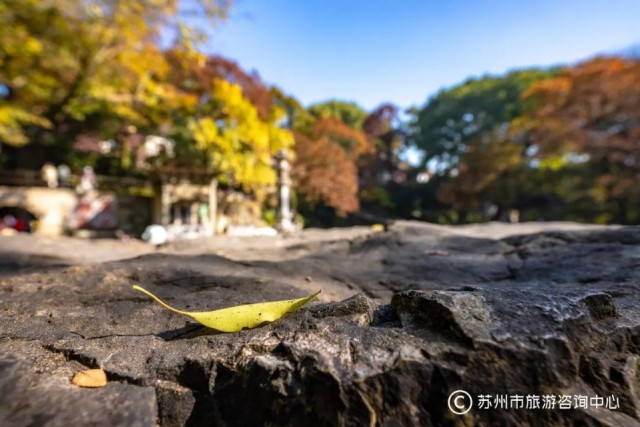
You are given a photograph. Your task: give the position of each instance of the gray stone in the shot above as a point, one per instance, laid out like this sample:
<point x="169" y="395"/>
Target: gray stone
<point x="406" y="317"/>
<point x="35" y="398"/>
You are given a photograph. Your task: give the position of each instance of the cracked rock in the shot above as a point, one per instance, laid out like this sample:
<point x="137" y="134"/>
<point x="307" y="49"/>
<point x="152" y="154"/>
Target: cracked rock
<point x="395" y="331"/>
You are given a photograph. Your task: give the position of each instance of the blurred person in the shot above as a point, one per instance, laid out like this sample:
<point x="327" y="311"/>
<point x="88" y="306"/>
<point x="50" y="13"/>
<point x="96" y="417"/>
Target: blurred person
<point x="50" y="175"/>
<point x="64" y="173"/>
<point x="10" y="221"/>
<point x="6" y="225"/>
<point x="28" y="218"/>
<point x="87" y="180"/>
<point x="21" y="224"/>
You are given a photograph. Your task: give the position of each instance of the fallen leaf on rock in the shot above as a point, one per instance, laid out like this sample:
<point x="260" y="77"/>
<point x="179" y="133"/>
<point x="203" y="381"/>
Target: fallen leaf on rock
<point x="90" y="378"/>
<point x="234" y="319"/>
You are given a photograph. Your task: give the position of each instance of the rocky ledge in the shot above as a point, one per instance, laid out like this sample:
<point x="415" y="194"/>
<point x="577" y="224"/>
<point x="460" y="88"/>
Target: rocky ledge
<point x="422" y="312"/>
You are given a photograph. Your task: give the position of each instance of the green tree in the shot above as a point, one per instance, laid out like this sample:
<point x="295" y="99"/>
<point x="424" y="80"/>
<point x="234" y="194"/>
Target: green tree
<point x="454" y="117"/>
<point x="349" y="113"/>
<point x="464" y="132"/>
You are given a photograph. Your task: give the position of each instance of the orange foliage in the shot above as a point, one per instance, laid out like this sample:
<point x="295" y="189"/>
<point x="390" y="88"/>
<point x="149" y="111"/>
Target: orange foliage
<point x="486" y="159"/>
<point x="352" y="141"/>
<point x="326" y="169"/>
<point x="593" y="109"/>
<point x="326" y="164"/>
<point x="194" y="76"/>
<point x="324" y="172"/>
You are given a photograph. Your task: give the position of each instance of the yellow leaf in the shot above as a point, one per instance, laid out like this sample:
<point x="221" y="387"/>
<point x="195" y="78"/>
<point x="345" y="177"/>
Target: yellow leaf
<point x="234" y="319"/>
<point x="90" y="378"/>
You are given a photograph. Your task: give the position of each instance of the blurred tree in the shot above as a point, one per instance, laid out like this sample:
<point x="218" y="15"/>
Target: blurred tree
<point x="352" y="141"/>
<point x="487" y="158"/>
<point x="456" y="116"/>
<point x="193" y="72"/>
<point x="325" y="170"/>
<point x="325" y="173"/>
<point x="463" y="132"/>
<point x="65" y="62"/>
<point x="253" y="88"/>
<point x="589" y="118"/>
<point x="380" y="166"/>
<point x="297" y="117"/>
<point x="235" y="120"/>
<point x="327" y="152"/>
<point x="349" y="113"/>
<point x="239" y="144"/>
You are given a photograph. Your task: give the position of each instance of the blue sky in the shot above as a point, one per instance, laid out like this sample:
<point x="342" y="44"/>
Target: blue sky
<point x="403" y="51"/>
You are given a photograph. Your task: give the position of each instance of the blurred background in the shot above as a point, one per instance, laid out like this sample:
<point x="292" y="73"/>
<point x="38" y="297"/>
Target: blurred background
<point x="247" y="117"/>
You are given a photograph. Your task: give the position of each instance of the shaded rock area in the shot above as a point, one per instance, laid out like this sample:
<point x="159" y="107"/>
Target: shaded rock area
<point x="406" y="317"/>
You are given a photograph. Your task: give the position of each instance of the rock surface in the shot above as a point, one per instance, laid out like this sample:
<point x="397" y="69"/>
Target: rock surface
<point x="406" y="317"/>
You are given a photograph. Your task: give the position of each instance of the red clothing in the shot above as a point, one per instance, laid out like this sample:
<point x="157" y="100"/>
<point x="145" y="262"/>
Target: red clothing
<point x="21" y="225"/>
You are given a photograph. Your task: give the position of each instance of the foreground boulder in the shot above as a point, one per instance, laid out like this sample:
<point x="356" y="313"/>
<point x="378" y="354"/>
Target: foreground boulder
<point x="510" y="322"/>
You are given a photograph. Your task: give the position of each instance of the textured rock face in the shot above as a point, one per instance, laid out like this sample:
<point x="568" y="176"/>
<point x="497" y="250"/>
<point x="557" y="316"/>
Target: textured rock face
<point x="424" y="311"/>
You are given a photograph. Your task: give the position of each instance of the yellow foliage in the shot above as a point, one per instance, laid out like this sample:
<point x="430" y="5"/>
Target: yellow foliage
<point x="240" y="145"/>
<point x="553" y="163"/>
<point x="63" y="59"/>
<point x="11" y="120"/>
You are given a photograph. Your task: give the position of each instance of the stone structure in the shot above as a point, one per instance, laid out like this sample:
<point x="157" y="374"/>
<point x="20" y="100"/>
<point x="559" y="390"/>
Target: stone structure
<point x="285" y="215"/>
<point x="186" y="201"/>
<point x="406" y="318"/>
<point x="51" y="207"/>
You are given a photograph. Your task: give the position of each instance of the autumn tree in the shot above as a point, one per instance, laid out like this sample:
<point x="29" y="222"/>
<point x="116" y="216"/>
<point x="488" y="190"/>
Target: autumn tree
<point x="380" y="167"/>
<point x="453" y="117"/>
<point x="326" y="166"/>
<point x="296" y="116"/>
<point x="588" y="118"/>
<point x="486" y="160"/>
<point x="253" y="88"/>
<point x="63" y="63"/>
<point x="327" y="152"/>
<point x="382" y="129"/>
<point x="463" y="132"/>
<point x="234" y="120"/>
<point x="239" y="144"/>
<point x="361" y="150"/>
<point x="324" y="173"/>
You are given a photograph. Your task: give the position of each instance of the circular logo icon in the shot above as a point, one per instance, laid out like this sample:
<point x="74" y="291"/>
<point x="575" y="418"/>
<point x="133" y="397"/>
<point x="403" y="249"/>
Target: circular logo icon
<point x="460" y="402"/>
